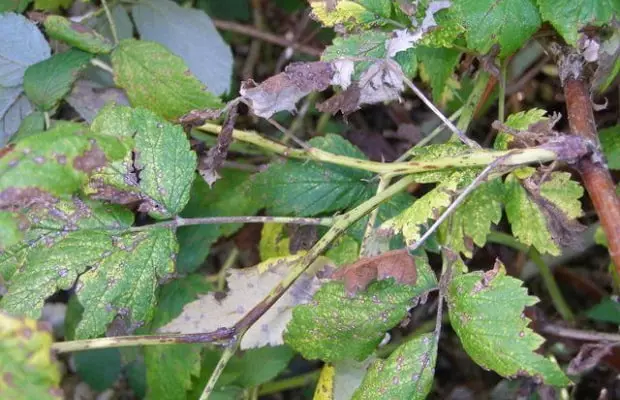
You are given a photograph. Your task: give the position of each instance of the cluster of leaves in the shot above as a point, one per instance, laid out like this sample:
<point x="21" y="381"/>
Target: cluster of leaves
<point x="70" y="193"/>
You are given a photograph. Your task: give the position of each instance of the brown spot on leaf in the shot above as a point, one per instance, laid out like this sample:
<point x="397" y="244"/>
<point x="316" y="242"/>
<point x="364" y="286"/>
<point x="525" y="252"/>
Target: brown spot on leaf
<point x="346" y="101"/>
<point x="211" y="163"/>
<point x="487" y="278"/>
<point x="397" y="264"/>
<point x="112" y="194"/>
<point x="13" y="199"/>
<point x="91" y="160"/>
<point x="7" y="149"/>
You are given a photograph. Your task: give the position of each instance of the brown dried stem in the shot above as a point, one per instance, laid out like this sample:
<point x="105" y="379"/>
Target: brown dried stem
<point x="596" y="177"/>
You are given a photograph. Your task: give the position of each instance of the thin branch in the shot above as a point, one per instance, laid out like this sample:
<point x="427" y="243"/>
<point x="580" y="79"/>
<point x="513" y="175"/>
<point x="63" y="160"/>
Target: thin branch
<point x="438" y="112"/>
<point x="502" y="91"/>
<point x="589" y="336"/>
<point x="228" y="353"/>
<point x="178" y="221"/>
<point x="100" y="64"/>
<point x="596" y="176"/>
<point x="266" y="36"/>
<point x="108" y="15"/>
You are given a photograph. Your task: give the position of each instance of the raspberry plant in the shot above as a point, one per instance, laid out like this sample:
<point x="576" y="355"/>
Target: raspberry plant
<point x="120" y="208"/>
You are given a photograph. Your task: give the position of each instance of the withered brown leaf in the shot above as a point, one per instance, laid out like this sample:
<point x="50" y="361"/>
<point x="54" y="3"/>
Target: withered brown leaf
<point x="397" y="264"/>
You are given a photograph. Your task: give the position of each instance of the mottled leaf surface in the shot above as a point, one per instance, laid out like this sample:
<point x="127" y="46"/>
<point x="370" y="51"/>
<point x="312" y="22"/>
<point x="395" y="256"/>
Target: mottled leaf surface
<point x="471" y="222"/>
<point x="156" y="79"/>
<point x="507" y="23"/>
<point x="307" y="188"/>
<point x="336" y="326"/>
<point x="352" y="14"/>
<point x="568" y="17"/>
<point x="406" y="374"/>
<point x="48" y="81"/>
<point x="28" y="369"/>
<point x="486" y="311"/>
<point x="124" y="280"/>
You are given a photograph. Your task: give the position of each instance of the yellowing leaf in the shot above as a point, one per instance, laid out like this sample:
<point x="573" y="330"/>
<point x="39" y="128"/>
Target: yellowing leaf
<point x="248" y="287"/>
<point x="274" y="242"/>
<point x="351" y="13"/>
<point x="27" y="368"/>
<point x="325" y="387"/>
<point x="564" y="192"/>
<point x="486" y="311"/>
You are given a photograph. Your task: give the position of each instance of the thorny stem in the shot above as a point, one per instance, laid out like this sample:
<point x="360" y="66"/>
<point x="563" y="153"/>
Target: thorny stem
<point x="545" y="272"/>
<point x="108" y="15"/>
<point x="596" y="177"/>
<point x="477" y="158"/>
<point x="443" y="118"/>
<point x="228" y="353"/>
<point x="178" y="221"/>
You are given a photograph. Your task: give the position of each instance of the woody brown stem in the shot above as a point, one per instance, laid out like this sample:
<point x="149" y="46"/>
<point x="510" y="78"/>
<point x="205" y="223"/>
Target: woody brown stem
<point x="596" y="177"/>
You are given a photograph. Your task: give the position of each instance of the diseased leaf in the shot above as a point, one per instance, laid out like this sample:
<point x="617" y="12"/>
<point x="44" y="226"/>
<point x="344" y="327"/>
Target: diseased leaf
<point x="471" y="222"/>
<point x="565" y="193"/>
<point x="486" y="311"/>
<point x="519" y="121"/>
<point x="397" y="264"/>
<point x="28" y="369"/>
<point x="570" y="18"/>
<point x="282" y="91"/>
<point x="406" y="374"/>
<point x="428" y="207"/>
<point x="352" y="14"/>
<point x="608" y="66"/>
<point x="76" y="35"/>
<point x="170" y="368"/>
<point x="56" y="162"/>
<point x="48" y="81"/>
<point x="307" y="188"/>
<point x="247" y="287"/>
<point x="124" y="279"/>
<point x="22" y="45"/>
<point x="230" y="196"/>
<point x="439" y="64"/>
<point x="190" y="34"/>
<point x="339" y="380"/>
<point x="274" y="241"/>
<point x="165" y="162"/>
<point x="336" y="326"/>
<point x="507" y="23"/>
<point x="610" y="141"/>
<point x="155" y="78"/>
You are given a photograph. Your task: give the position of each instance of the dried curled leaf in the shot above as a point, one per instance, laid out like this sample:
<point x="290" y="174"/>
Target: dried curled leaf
<point x="282" y="91"/>
<point x="397" y="264"/>
<point x="214" y="159"/>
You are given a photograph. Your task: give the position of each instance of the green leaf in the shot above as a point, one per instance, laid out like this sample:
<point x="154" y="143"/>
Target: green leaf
<point x="570" y="18"/>
<point x="610" y="141"/>
<point x="486" y="312"/>
<point x="370" y="44"/>
<point x="56" y="162"/>
<point x="344" y="250"/>
<point x="232" y="195"/>
<point x="439" y="64"/>
<point x="14" y="5"/>
<point x="449" y="28"/>
<point x="76" y="35"/>
<point x="564" y="193"/>
<point x="124" y="279"/>
<point x="428" y="207"/>
<point x="52" y="5"/>
<point x="169" y="369"/>
<point x="155" y="78"/>
<point x="307" y="188"/>
<point x="388" y="209"/>
<point x="100" y="368"/>
<point x="27" y="368"/>
<point x="32" y="124"/>
<point x="48" y="81"/>
<point x="520" y="121"/>
<point x="471" y="222"/>
<point x="165" y="161"/>
<point x="335" y="326"/>
<point x="608" y="310"/>
<point x="507" y="23"/>
<point x="257" y="366"/>
<point x="406" y="374"/>
<point x="352" y="14"/>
